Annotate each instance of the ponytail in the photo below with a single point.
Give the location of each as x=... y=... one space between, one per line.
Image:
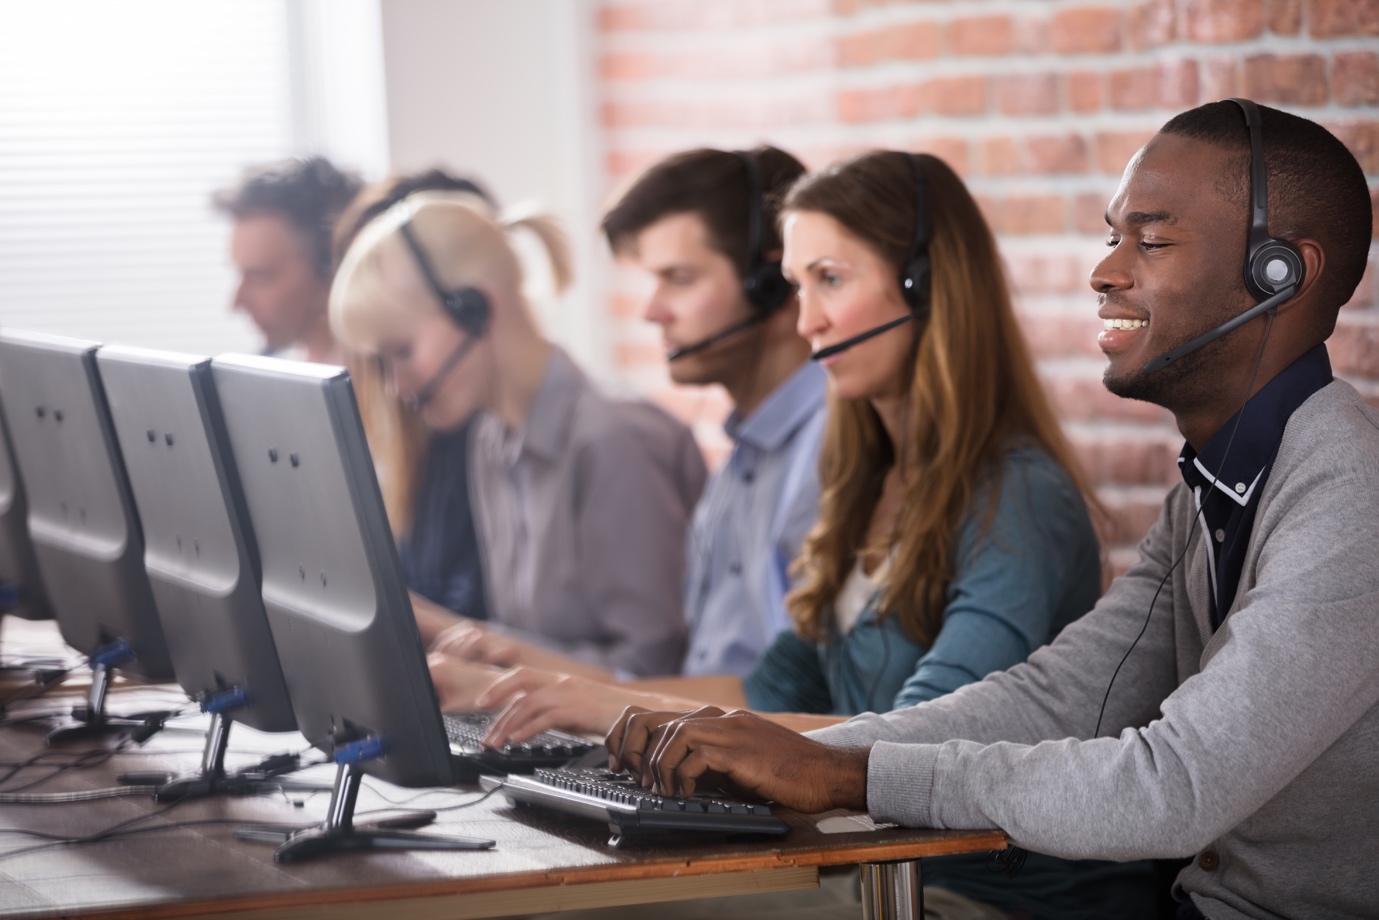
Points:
x=547 y=230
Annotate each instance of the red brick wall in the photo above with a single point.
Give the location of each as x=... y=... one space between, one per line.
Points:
x=1038 y=105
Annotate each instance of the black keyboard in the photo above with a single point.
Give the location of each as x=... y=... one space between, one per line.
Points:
x=548 y=749
x=619 y=800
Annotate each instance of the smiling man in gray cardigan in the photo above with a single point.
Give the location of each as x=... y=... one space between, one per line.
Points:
x=1222 y=699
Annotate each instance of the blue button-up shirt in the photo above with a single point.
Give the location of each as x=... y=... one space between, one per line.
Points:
x=749 y=525
x=1228 y=476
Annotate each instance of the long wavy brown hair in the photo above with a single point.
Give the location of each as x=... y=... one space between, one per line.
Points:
x=973 y=397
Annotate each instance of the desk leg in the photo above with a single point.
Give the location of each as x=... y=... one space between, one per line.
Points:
x=892 y=891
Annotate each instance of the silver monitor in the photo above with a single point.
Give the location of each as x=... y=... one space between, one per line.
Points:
x=334 y=591
x=199 y=549
x=81 y=516
x=20 y=582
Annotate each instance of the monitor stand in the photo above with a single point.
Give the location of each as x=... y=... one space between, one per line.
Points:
x=213 y=780
x=92 y=721
x=340 y=834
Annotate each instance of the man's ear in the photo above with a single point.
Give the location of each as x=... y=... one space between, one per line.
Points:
x=1314 y=264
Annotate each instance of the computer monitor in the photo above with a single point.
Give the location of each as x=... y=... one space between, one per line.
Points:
x=199 y=551
x=21 y=587
x=81 y=516
x=334 y=592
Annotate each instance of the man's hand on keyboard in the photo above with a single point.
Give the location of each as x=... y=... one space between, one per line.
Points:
x=673 y=752
x=458 y=683
x=538 y=701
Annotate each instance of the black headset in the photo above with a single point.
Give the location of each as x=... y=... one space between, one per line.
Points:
x=763 y=283
x=915 y=277
x=466 y=306
x=1274 y=268
x=916 y=280
x=1271 y=265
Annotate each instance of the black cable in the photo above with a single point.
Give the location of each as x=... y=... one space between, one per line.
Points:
x=57 y=840
x=121 y=830
x=79 y=760
x=1239 y=417
x=407 y=802
x=1009 y=861
x=47 y=679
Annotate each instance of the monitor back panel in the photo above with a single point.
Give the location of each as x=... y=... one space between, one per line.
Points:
x=18 y=565
x=82 y=521
x=332 y=585
x=198 y=547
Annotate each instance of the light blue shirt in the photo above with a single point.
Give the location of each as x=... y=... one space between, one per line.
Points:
x=749 y=525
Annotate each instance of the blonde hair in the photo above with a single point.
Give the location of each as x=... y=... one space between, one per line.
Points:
x=379 y=286
x=973 y=396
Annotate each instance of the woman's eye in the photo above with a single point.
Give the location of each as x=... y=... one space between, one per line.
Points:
x=829 y=279
x=1113 y=242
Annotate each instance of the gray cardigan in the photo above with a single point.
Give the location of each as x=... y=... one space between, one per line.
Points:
x=1255 y=748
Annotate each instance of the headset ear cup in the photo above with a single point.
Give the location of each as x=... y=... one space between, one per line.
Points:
x=1272 y=267
x=766 y=287
x=469 y=309
x=914 y=284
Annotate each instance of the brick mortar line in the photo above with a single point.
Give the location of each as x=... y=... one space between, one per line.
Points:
x=993 y=122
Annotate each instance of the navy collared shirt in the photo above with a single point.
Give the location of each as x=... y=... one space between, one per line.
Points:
x=440 y=557
x=1228 y=492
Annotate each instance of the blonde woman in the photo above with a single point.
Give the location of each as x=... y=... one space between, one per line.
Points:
x=580 y=502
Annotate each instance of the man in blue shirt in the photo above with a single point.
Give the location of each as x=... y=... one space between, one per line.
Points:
x=702 y=225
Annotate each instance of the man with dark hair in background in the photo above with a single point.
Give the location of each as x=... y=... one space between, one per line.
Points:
x=283 y=216
x=1222 y=699
x=702 y=224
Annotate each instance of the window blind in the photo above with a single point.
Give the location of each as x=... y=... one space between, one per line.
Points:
x=117 y=122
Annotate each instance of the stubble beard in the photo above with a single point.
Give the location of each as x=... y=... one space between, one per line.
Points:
x=1184 y=382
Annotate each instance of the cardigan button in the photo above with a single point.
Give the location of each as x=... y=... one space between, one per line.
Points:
x=1209 y=860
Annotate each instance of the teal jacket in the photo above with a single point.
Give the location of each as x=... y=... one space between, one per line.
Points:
x=1017 y=581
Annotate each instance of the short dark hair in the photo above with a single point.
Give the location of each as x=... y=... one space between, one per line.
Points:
x=309 y=192
x=714 y=185
x=1317 y=190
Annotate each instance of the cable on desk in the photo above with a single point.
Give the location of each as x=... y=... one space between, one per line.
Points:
x=63 y=798
x=395 y=805
x=46 y=679
x=79 y=760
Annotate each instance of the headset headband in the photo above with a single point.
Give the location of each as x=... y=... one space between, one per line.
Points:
x=749 y=163
x=915 y=274
x=765 y=286
x=467 y=306
x=1259 y=175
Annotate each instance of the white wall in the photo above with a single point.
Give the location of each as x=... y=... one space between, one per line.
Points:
x=504 y=92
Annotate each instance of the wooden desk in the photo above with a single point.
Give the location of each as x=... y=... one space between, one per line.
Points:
x=542 y=862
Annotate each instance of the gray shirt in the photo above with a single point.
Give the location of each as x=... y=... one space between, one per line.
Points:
x=581 y=517
x=1254 y=748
